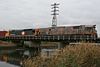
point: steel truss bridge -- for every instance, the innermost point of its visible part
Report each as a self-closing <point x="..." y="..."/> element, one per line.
<point x="51" y="38"/>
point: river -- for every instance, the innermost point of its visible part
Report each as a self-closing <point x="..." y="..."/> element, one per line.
<point x="9" y="54"/>
<point x="4" y="64"/>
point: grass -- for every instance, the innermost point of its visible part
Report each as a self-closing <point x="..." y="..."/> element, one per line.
<point x="84" y="55"/>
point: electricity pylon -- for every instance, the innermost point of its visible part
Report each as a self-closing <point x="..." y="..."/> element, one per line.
<point x="54" y="13"/>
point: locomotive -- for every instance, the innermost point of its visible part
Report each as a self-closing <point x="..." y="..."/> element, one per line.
<point x="86" y="31"/>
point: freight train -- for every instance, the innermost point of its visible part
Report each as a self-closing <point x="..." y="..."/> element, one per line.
<point x="86" y="31"/>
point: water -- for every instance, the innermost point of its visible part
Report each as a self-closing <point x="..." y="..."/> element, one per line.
<point x="12" y="56"/>
<point x="10" y="53"/>
<point x="4" y="64"/>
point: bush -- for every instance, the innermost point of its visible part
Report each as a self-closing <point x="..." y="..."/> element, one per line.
<point x="84" y="55"/>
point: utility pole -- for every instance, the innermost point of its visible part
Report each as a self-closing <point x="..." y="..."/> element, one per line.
<point x="54" y="13"/>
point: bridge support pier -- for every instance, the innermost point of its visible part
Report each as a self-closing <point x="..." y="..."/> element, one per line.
<point x="51" y="48"/>
<point x="34" y="47"/>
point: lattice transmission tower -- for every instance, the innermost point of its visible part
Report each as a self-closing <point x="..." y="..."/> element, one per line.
<point x="54" y="13"/>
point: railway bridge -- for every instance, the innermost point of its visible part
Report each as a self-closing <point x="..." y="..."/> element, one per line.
<point x="36" y="41"/>
<point x="50" y="38"/>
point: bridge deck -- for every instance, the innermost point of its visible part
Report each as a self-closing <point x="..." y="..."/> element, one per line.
<point x="49" y="38"/>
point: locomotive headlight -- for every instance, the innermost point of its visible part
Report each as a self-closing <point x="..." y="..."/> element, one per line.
<point x="23" y="33"/>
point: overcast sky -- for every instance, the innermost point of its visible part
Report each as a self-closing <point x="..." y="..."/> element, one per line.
<point x="16" y="14"/>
